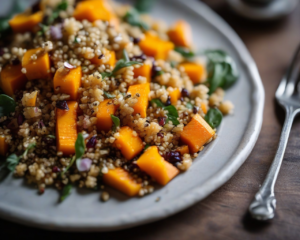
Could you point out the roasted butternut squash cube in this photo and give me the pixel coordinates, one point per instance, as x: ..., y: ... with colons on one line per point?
x: 195, y: 71
x: 25, y: 22
x: 105, y: 109
x: 144, y: 71
x: 155, y: 47
x: 181, y: 34
x: 93, y: 10
x: 121, y: 180
x: 3, y: 146
x: 141, y: 91
x: 196, y: 133
x: 110, y: 58
x: 183, y: 149
x: 154, y: 165
x: 12, y: 79
x: 29, y: 99
x: 175, y: 94
x: 66, y: 128
x: 37, y: 64
x: 129, y: 143
x: 68, y: 81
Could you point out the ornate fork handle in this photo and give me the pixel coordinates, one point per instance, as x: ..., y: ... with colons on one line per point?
x: 264, y: 204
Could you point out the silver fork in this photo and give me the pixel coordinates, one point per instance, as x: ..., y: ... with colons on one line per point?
x: 288, y: 96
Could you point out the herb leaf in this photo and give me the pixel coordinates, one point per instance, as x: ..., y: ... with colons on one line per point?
x: 144, y: 5
x: 108, y: 95
x: 79, y: 146
x: 189, y: 105
x: 12, y: 161
x: 55, y: 13
x: 185, y: 52
x: 214, y: 117
x: 146, y: 146
x: 65, y: 192
x: 222, y: 70
x: 157, y: 102
x: 7, y: 105
x: 116, y: 121
x: 133, y: 18
x: 51, y: 136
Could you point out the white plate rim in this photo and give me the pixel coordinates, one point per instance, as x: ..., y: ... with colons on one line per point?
x: 196, y: 194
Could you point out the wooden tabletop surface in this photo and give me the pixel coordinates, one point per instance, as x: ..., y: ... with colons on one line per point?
x: 223, y: 215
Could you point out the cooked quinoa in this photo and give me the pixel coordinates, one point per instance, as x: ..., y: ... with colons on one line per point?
x: 72, y: 43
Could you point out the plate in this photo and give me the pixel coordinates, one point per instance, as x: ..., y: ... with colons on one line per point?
x: 83, y: 210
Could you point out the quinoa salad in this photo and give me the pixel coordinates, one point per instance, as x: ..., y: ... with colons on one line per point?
x: 96, y: 93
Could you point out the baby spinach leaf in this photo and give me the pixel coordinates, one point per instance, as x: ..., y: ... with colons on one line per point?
x: 222, y: 70
x: 7, y: 105
x: 157, y: 102
x: 79, y: 146
x: 214, y: 117
x: 185, y: 52
x: 12, y: 161
x: 146, y: 146
x: 65, y: 192
x: 144, y: 5
x: 116, y: 121
x: 172, y: 114
x: 108, y: 95
x: 55, y: 13
x: 133, y: 18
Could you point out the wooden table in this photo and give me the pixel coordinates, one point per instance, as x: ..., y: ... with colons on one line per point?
x: 223, y: 215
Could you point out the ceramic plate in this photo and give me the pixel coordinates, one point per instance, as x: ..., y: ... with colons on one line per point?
x: 83, y: 210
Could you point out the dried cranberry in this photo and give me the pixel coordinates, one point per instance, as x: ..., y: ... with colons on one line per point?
x: 160, y: 134
x: 5, y: 123
x: 55, y: 169
x: 136, y: 40
x: 1, y: 51
x: 195, y: 109
x: 101, y: 56
x: 13, y: 124
x: 35, y: 7
x: 131, y: 166
x: 62, y: 105
x: 15, y: 61
x: 141, y: 57
x: 155, y: 70
x: 20, y: 119
x: 168, y: 102
x: 185, y: 93
x: 173, y: 157
x: 161, y: 121
x: 92, y: 142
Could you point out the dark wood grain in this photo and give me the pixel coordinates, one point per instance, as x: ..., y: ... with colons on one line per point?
x: 223, y: 215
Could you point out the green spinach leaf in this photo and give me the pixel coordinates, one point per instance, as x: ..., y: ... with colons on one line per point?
x: 116, y: 121
x: 185, y: 52
x: 157, y: 102
x: 172, y: 114
x: 144, y: 5
x: 79, y: 146
x: 65, y: 192
x: 133, y: 18
x: 214, y: 117
x: 7, y: 105
x: 108, y: 95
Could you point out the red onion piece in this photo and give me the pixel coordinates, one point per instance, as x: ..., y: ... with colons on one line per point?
x: 55, y: 32
x: 84, y: 164
x: 68, y: 65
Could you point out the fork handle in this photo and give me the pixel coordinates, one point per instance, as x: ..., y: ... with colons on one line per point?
x: 264, y: 203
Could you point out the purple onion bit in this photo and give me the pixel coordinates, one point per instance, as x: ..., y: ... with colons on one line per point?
x: 162, y: 121
x: 84, y: 164
x: 56, y: 169
x: 91, y: 142
x: 62, y: 105
x: 68, y: 66
x: 173, y: 157
x: 20, y: 119
x: 56, y: 32
x: 41, y: 124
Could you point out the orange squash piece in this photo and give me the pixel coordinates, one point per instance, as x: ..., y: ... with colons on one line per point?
x: 39, y: 68
x: 105, y: 109
x: 93, y: 10
x: 129, y: 143
x: 25, y: 22
x: 143, y: 91
x: 175, y: 95
x: 154, y: 165
x: 204, y: 108
x: 195, y: 71
x: 3, y: 146
x: 181, y: 34
x: 68, y: 81
x: 196, y: 133
x: 112, y: 59
x: 144, y: 71
x: 66, y: 128
x: 12, y: 79
x: 30, y: 99
x: 155, y: 47
x: 183, y: 149
x: 121, y: 180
